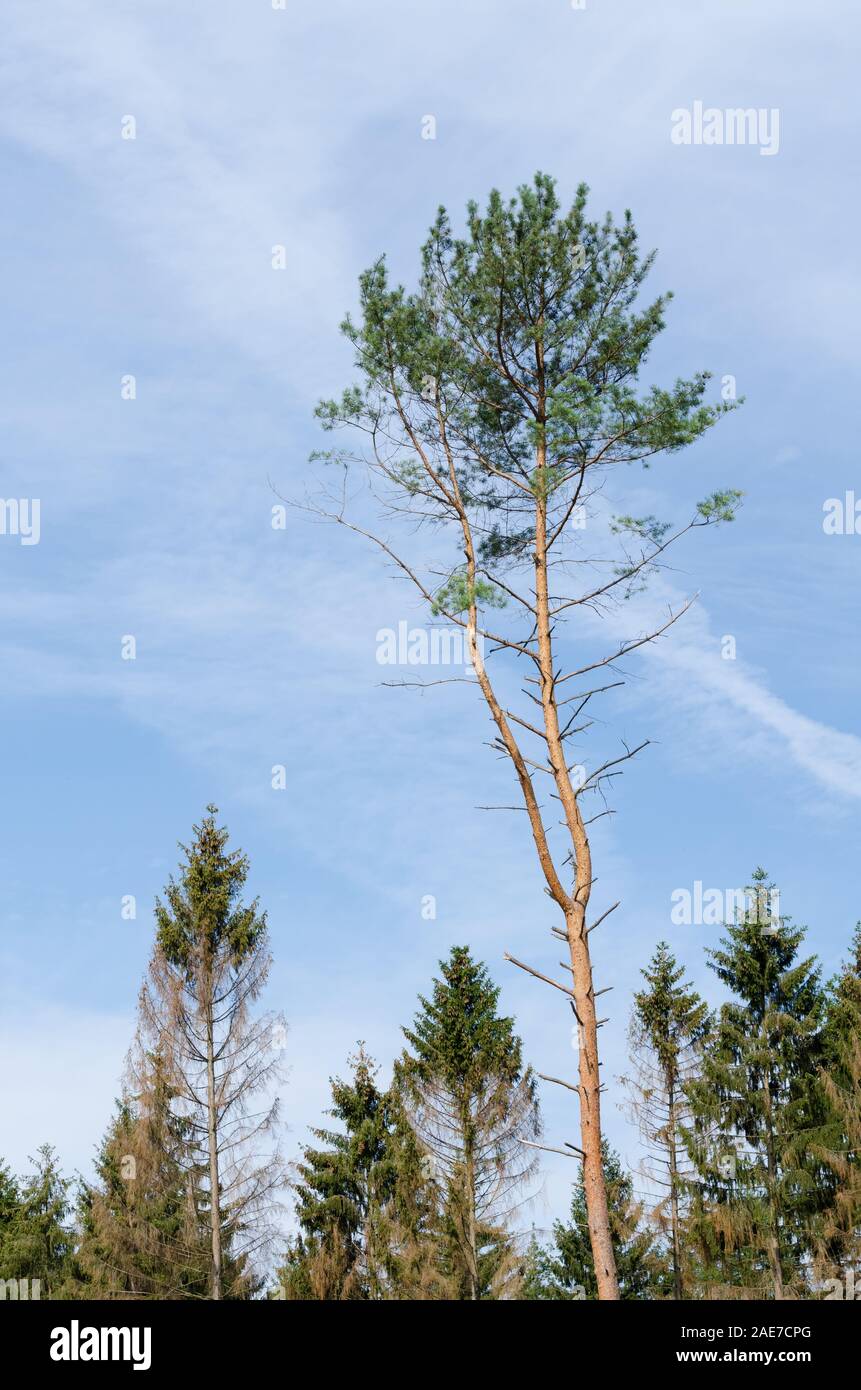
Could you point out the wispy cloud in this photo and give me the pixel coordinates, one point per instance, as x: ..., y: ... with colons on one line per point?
x: 692, y: 684
x: 256, y: 128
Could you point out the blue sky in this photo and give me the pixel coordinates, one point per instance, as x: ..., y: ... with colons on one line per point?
x: 259, y: 127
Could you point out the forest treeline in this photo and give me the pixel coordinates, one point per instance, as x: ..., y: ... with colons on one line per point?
x: 420, y: 1186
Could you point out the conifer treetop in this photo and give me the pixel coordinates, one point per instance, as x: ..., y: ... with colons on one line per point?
x: 203, y: 915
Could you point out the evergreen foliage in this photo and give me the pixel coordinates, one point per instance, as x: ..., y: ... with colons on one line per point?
x: 36, y: 1234
x: 471, y: 1104
x: 758, y: 1186
x: 669, y: 1025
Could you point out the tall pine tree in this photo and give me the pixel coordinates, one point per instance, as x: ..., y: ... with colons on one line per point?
x: 497, y: 398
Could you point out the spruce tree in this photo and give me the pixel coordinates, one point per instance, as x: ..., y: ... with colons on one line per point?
x: 197, y: 1013
x: 668, y: 1027
x: 755, y: 1101
x: 474, y: 1111
x: 9, y: 1203
x: 143, y: 1233
x: 359, y: 1200
x: 36, y: 1234
x: 534, y: 1273
x: 9, y: 1199
x: 295, y: 1277
x: 344, y: 1187
x: 836, y: 1141
x: 843, y: 1019
x: 840, y: 1149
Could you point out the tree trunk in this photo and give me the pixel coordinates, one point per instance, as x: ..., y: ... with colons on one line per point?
x: 597, y: 1209
x: 674, y: 1196
x: 471, y: 1243
x: 773, y: 1243
x: 774, y: 1266
x: 214, y: 1196
x: 572, y: 904
x: 575, y: 924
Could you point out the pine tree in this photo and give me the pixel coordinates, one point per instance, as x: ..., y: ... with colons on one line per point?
x: 498, y: 398
x: 567, y: 1270
x: 471, y: 1105
x: 754, y: 1103
x: 209, y: 967
x: 668, y: 1026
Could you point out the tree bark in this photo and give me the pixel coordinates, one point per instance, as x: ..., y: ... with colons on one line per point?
x: 575, y: 924
x: 214, y: 1195
x: 471, y: 1243
x: 597, y: 1209
x: 674, y: 1196
x: 773, y: 1243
